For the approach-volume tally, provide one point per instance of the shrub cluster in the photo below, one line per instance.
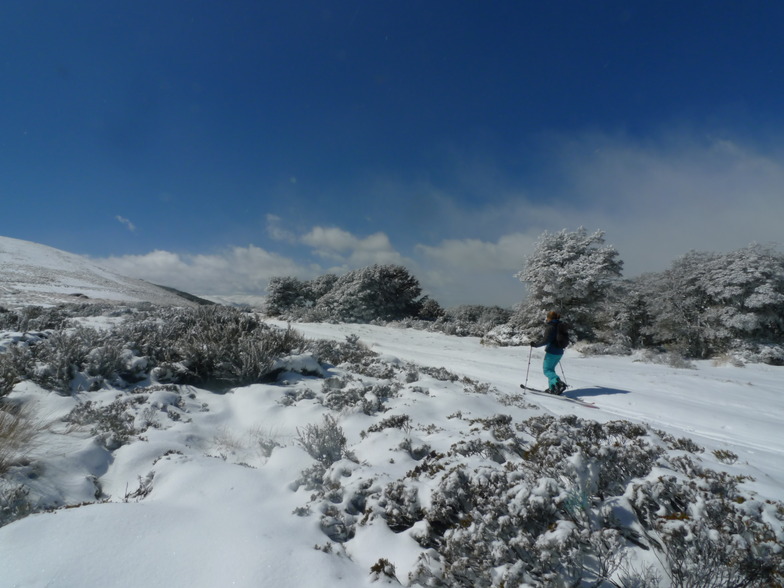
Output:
(562, 502)
(208, 345)
(128, 415)
(378, 292)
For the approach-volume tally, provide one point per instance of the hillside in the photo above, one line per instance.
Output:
(35, 274)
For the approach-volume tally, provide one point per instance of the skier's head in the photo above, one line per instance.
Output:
(552, 315)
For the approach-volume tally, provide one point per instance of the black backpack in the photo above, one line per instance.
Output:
(562, 335)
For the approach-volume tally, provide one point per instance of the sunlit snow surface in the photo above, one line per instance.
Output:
(220, 512)
(37, 274)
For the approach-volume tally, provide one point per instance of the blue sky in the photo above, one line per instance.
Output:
(211, 145)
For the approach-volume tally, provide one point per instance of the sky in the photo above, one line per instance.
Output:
(209, 146)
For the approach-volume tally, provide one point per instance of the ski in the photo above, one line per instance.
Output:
(564, 398)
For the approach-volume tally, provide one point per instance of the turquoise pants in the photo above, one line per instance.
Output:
(550, 361)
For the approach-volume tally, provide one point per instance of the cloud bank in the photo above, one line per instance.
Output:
(656, 199)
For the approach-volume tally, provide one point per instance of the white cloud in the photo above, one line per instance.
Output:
(131, 227)
(655, 199)
(240, 270)
(472, 271)
(343, 248)
(277, 232)
(659, 199)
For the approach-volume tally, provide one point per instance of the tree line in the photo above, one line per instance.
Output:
(704, 305)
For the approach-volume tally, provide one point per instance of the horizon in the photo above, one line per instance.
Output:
(209, 148)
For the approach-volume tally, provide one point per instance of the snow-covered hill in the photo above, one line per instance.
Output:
(35, 274)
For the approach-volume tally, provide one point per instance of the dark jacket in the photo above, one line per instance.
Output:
(549, 338)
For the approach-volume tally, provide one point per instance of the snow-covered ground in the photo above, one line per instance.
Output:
(212, 493)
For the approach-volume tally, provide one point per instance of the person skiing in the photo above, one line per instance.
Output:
(553, 352)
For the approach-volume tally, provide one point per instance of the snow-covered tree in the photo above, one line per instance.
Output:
(284, 294)
(572, 273)
(709, 303)
(378, 292)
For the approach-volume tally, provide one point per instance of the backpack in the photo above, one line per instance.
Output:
(562, 335)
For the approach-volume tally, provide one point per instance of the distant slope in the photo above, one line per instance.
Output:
(35, 274)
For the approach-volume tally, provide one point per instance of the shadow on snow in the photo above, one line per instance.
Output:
(593, 391)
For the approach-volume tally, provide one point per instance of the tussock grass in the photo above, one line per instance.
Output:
(18, 431)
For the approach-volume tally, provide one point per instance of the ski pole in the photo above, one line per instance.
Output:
(530, 350)
(563, 373)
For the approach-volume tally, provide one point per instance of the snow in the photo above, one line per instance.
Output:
(42, 275)
(220, 513)
(212, 493)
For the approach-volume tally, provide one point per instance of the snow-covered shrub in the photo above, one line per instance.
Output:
(383, 569)
(710, 534)
(143, 490)
(525, 521)
(341, 394)
(210, 344)
(214, 344)
(772, 354)
(441, 373)
(400, 506)
(618, 347)
(14, 502)
(35, 318)
(671, 358)
(16, 364)
(61, 355)
(352, 350)
(508, 335)
(475, 387)
(469, 320)
(400, 421)
(325, 443)
(429, 309)
(112, 423)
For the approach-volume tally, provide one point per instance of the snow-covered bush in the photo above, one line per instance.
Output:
(378, 292)
(217, 345)
(352, 350)
(286, 293)
(344, 393)
(325, 443)
(468, 320)
(560, 502)
(14, 502)
(710, 534)
(16, 364)
(115, 423)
